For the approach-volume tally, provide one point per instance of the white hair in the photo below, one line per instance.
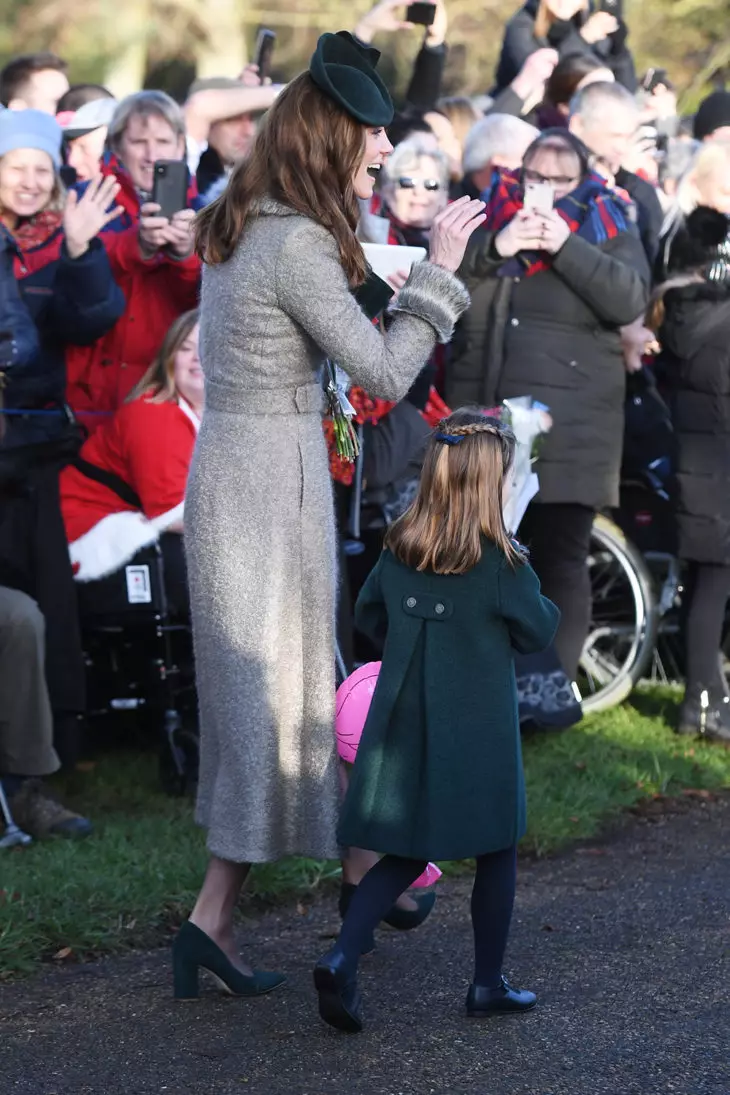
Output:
(594, 101)
(406, 155)
(496, 135)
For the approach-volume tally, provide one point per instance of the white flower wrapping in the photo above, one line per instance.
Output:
(528, 420)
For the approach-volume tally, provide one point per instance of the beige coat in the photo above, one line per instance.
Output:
(259, 524)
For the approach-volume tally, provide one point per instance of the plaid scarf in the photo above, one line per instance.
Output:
(592, 211)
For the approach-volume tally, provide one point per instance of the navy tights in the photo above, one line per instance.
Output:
(492, 900)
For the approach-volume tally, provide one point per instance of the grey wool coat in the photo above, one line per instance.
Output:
(438, 772)
(259, 522)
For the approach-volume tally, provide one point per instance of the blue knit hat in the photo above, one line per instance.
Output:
(30, 129)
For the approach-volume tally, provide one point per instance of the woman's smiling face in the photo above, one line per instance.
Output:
(377, 149)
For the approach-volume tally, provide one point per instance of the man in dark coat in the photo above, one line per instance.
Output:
(606, 118)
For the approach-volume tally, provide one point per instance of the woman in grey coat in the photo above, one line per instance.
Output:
(282, 260)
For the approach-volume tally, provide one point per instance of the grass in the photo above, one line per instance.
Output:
(131, 883)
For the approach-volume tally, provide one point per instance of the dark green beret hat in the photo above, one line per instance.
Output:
(345, 70)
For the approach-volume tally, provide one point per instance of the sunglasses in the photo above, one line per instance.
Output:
(529, 176)
(405, 182)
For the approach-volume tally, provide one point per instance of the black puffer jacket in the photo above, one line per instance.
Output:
(695, 338)
(555, 336)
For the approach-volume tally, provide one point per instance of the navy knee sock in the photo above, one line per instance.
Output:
(492, 900)
(381, 886)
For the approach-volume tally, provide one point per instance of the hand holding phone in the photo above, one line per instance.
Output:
(421, 14)
(170, 186)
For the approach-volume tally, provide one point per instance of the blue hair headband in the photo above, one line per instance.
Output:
(450, 438)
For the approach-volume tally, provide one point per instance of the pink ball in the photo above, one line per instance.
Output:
(354, 697)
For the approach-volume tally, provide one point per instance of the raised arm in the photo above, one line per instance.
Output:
(312, 288)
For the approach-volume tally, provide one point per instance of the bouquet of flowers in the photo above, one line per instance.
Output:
(528, 420)
(341, 413)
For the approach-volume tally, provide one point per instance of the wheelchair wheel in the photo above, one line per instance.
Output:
(179, 760)
(624, 619)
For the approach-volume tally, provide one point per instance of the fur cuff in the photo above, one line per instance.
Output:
(433, 294)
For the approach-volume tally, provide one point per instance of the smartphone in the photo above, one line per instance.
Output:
(265, 42)
(170, 186)
(613, 7)
(539, 197)
(423, 14)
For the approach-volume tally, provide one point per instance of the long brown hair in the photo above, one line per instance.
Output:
(159, 380)
(305, 155)
(459, 498)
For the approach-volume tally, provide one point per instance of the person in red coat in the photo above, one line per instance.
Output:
(126, 489)
(151, 258)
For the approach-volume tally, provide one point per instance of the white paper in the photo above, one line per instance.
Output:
(386, 260)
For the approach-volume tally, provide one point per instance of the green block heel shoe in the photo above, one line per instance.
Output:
(194, 951)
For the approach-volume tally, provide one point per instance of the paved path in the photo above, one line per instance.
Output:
(626, 942)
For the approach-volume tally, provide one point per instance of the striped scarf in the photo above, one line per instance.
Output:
(592, 211)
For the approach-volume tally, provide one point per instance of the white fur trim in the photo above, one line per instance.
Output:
(116, 539)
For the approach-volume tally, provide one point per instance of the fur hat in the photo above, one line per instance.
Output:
(713, 114)
(344, 69)
(697, 241)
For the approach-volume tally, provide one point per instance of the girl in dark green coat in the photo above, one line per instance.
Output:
(438, 773)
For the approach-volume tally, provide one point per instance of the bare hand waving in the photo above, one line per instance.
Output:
(452, 230)
(85, 216)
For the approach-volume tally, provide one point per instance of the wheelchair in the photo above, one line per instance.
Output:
(139, 662)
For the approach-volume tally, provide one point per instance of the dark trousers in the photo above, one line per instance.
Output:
(34, 558)
(558, 537)
(708, 591)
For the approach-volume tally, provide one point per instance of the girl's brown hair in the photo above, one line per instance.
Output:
(159, 380)
(544, 19)
(460, 497)
(305, 155)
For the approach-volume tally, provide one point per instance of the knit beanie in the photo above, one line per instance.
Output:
(714, 113)
(30, 129)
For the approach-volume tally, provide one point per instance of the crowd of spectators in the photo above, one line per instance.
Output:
(102, 389)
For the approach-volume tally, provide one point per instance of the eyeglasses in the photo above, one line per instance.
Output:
(530, 176)
(405, 182)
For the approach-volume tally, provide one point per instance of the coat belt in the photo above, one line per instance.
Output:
(307, 399)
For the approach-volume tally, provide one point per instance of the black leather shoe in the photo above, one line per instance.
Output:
(481, 1001)
(403, 920)
(339, 996)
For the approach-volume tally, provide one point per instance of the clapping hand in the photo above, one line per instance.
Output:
(84, 217)
(452, 230)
